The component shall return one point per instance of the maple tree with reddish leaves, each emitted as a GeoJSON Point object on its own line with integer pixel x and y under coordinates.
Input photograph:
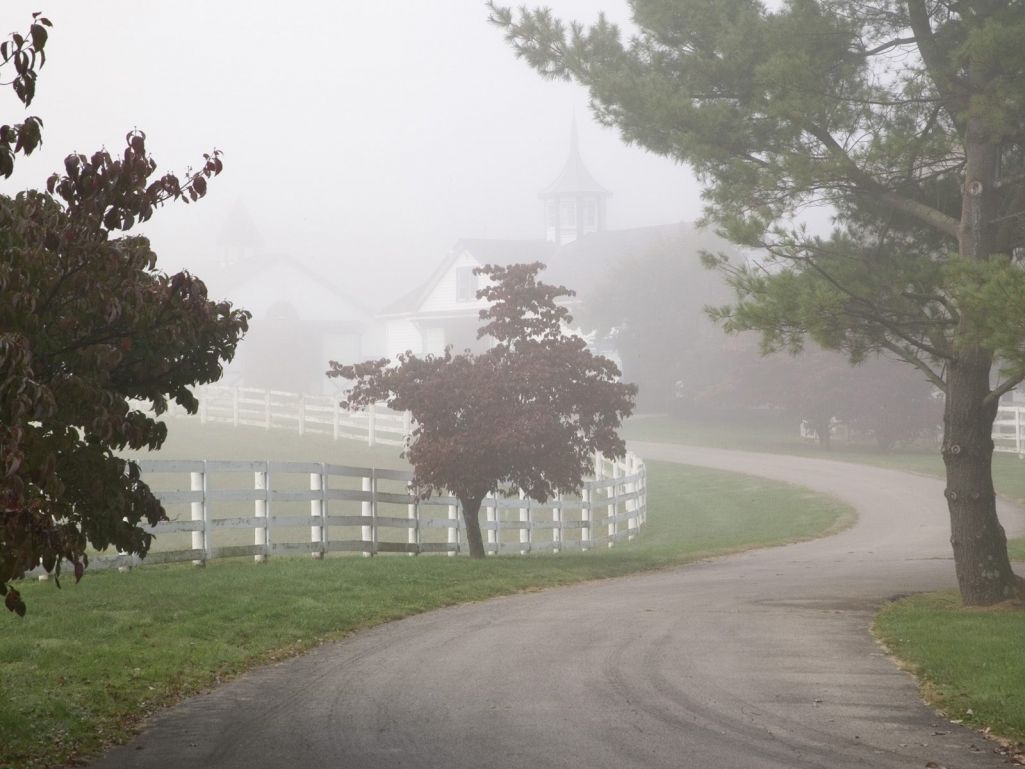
{"type": "Point", "coordinates": [92, 336]}
{"type": "Point", "coordinates": [527, 414]}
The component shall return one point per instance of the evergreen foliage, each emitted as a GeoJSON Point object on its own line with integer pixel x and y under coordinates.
{"type": "Point", "coordinates": [907, 117]}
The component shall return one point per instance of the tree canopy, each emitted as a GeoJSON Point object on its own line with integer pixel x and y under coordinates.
{"type": "Point", "coordinates": [529, 413]}
{"type": "Point", "coordinates": [905, 117]}
{"type": "Point", "coordinates": [94, 343]}
{"type": "Point", "coordinates": [25, 54]}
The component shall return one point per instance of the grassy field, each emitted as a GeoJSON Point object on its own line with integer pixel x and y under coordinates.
{"type": "Point", "coordinates": [90, 661]}
{"type": "Point", "coordinates": [970, 662]}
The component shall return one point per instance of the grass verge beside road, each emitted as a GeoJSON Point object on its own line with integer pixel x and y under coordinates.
{"type": "Point", "coordinates": [968, 661]}
{"type": "Point", "coordinates": [90, 661]}
{"type": "Point", "coordinates": [1016, 549]}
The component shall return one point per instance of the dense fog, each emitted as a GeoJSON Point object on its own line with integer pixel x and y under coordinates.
{"type": "Point", "coordinates": [373, 153]}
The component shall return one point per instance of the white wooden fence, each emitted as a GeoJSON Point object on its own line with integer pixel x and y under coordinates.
{"type": "Point", "coordinates": [223, 509]}
{"type": "Point", "coordinates": [315, 414]}
{"type": "Point", "coordinates": [1009, 430]}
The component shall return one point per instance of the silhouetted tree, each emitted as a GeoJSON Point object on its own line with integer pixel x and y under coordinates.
{"type": "Point", "coordinates": [528, 413]}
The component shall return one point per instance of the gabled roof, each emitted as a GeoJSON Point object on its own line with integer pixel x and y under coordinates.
{"type": "Point", "coordinates": [501, 252]}
{"type": "Point", "coordinates": [575, 177]}
{"type": "Point", "coordinates": [275, 279]}
{"type": "Point", "coordinates": [581, 265]}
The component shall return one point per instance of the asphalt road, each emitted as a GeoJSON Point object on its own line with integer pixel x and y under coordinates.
{"type": "Point", "coordinates": [759, 660]}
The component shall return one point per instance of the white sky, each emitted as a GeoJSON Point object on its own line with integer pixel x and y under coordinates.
{"type": "Point", "coordinates": [363, 136]}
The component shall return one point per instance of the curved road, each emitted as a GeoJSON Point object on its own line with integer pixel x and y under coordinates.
{"type": "Point", "coordinates": [761, 660]}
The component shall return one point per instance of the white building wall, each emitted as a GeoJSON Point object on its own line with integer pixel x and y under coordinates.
{"type": "Point", "coordinates": [402, 335]}
{"type": "Point", "coordinates": [434, 340]}
{"type": "Point", "coordinates": [443, 297]}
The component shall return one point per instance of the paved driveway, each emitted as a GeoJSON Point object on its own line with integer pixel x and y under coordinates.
{"type": "Point", "coordinates": [759, 660]}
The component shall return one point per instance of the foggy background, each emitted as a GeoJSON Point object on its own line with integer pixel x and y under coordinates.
{"type": "Point", "coordinates": [362, 138]}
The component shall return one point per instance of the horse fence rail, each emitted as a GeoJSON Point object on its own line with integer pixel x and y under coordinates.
{"type": "Point", "coordinates": [221, 509]}
{"type": "Point", "coordinates": [298, 412]}
{"type": "Point", "coordinates": [1009, 430]}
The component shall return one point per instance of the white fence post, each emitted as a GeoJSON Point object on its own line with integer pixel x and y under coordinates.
{"type": "Point", "coordinates": [414, 531]}
{"type": "Point", "coordinates": [261, 509]}
{"type": "Point", "coordinates": [585, 518]}
{"type": "Point", "coordinates": [599, 474]}
{"type": "Point", "coordinates": [197, 482]}
{"type": "Point", "coordinates": [371, 424]}
{"type": "Point", "coordinates": [317, 513]}
{"type": "Point", "coordinates": [524, 518]}
{"type": "Point", "coordinates": [630, 506]}
{"type": "Point", "coordinates": [610, 492]}
{"type": "Point", "coordinates": [367, 510]}
{"type": "Point", "coordinates": [413, 513]}
{"type": "Point", "coordinates": [557, 523]}
{"type": "Point", "coordinates": [453, 529]}
{"type": "Point", "coordinates": [491, 513]}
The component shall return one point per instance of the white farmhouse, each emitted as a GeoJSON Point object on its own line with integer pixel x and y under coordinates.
{"type": "Point", "coordinates": [578, 251]}
{"type": "Point", "coordinates": [301, 320]}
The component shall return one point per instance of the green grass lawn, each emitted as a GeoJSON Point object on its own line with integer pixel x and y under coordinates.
{"type": "Point", "coordinates": [90, 661]}
{"type": "Point", "coordinates": [971, 662]}
{"type": "Point", "coordinates": [1016, 549]}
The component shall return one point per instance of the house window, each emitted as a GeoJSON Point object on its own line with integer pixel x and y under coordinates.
{"type": "Point", "coordinates": [466, 284]}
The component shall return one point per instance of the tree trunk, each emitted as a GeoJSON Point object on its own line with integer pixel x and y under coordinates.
{"type": "Point", "coordinates": [983, 569]}
{"type": "Point", "coordinates": [823, 425]}
{"type": "Point", "coordinates": [471, 511]}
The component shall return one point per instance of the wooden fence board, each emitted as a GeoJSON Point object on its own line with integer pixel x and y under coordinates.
{"type": "Point", "coordinates": [354, 495]}
{"type": "Point", "coordinates": [395, 499]}
{"type": "Point", "coordinates": [348, 520]}
{"type": "Point", "coordinates": [348, 546]}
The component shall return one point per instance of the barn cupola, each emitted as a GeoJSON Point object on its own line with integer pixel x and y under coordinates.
{"type": "Point", "coordinates": [574, 203]}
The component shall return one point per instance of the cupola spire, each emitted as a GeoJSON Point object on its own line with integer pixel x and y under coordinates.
{"type": "Point", "coordinates": [575, 201]}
